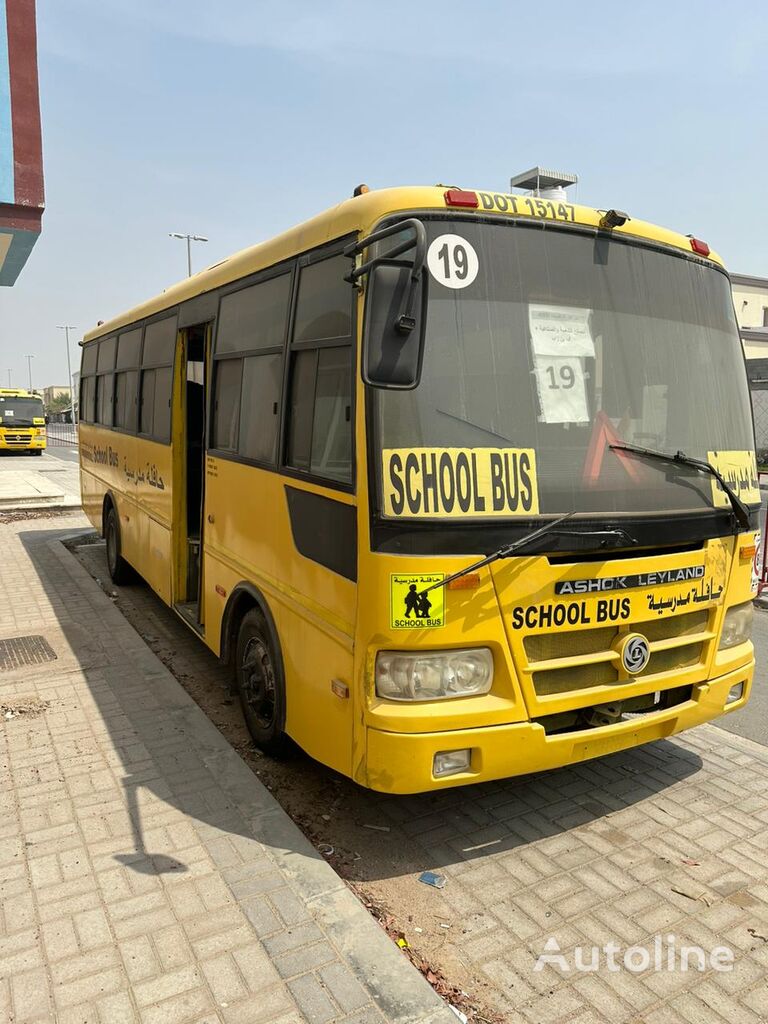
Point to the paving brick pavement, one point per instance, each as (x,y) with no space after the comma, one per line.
(42,481)
(146,875)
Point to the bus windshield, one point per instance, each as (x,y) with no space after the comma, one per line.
(559,342)
(20,412)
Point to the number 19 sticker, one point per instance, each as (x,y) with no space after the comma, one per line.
(452,261)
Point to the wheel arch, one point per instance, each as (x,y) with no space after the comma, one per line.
(109,501)
(244,597)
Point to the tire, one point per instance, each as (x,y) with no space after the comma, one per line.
(38,451)
(119,570)
(260,684)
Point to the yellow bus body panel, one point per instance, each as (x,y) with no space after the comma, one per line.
(138,475)
(248,540)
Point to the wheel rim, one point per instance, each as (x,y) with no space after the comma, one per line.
(111,545)
(258,681)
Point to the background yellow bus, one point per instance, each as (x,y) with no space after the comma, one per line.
(22,421)
(415,470)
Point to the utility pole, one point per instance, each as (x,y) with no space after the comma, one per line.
(67,328)
(29,369)
(9,376)
(189,239)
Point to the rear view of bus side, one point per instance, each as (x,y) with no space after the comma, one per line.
(461,484)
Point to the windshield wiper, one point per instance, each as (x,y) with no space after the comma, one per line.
(740,510)
(511,549)
(503,552)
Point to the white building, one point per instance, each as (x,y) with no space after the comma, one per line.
(750,299)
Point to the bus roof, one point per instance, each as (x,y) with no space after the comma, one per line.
(18,393)
(360,213)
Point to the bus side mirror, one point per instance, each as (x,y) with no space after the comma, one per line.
(396,304)
(393,347)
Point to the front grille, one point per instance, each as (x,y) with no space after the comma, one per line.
(676,658)
(18,438)
(592,661)
(582,677)
(546,646)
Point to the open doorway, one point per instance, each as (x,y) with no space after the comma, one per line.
(194,425)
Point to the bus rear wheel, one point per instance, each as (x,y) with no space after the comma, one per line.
(119,570)
(260,685)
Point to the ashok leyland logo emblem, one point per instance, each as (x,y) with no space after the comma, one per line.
(634,653)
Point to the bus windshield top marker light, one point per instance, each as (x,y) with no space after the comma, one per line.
(460,197)
(699,247)
(614,219)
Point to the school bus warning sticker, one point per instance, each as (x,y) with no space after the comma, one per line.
(740,471)
(410,607)
(444,483)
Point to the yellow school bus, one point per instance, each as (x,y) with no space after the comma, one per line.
(22,421)
(460,483)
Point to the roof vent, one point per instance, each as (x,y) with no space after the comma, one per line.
(544,184)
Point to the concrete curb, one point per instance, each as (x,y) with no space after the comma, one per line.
(72,504)
(396,987)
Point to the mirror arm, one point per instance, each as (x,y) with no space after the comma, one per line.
(406,321)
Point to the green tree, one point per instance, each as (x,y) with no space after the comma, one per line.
(60,403)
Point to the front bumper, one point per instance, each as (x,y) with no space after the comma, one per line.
(25,445)
(402,763)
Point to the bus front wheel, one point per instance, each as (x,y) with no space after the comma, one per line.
(119,570)
(260,685)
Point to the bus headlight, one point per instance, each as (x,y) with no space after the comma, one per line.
(737,625)
(433,675)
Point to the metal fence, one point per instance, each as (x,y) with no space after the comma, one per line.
(760,410)
(63,435)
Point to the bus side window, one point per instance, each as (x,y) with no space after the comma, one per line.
(262,380)
(155,413)
(104,388)
(126,384)
(105,381)
(88,399)
(127,380)
(320,409)
(250,339)
(158,353)
(226,404)
(147,408)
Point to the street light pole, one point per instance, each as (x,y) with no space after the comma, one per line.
(189,240)
(67,328)
(9,376)
(29,369)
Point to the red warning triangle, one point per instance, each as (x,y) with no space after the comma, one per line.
(604,434)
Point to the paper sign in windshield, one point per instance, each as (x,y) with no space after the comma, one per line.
(443,483)
(560,331)
(562,389)
(740,471)
(561,340)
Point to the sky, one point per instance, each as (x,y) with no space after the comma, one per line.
(236,120)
